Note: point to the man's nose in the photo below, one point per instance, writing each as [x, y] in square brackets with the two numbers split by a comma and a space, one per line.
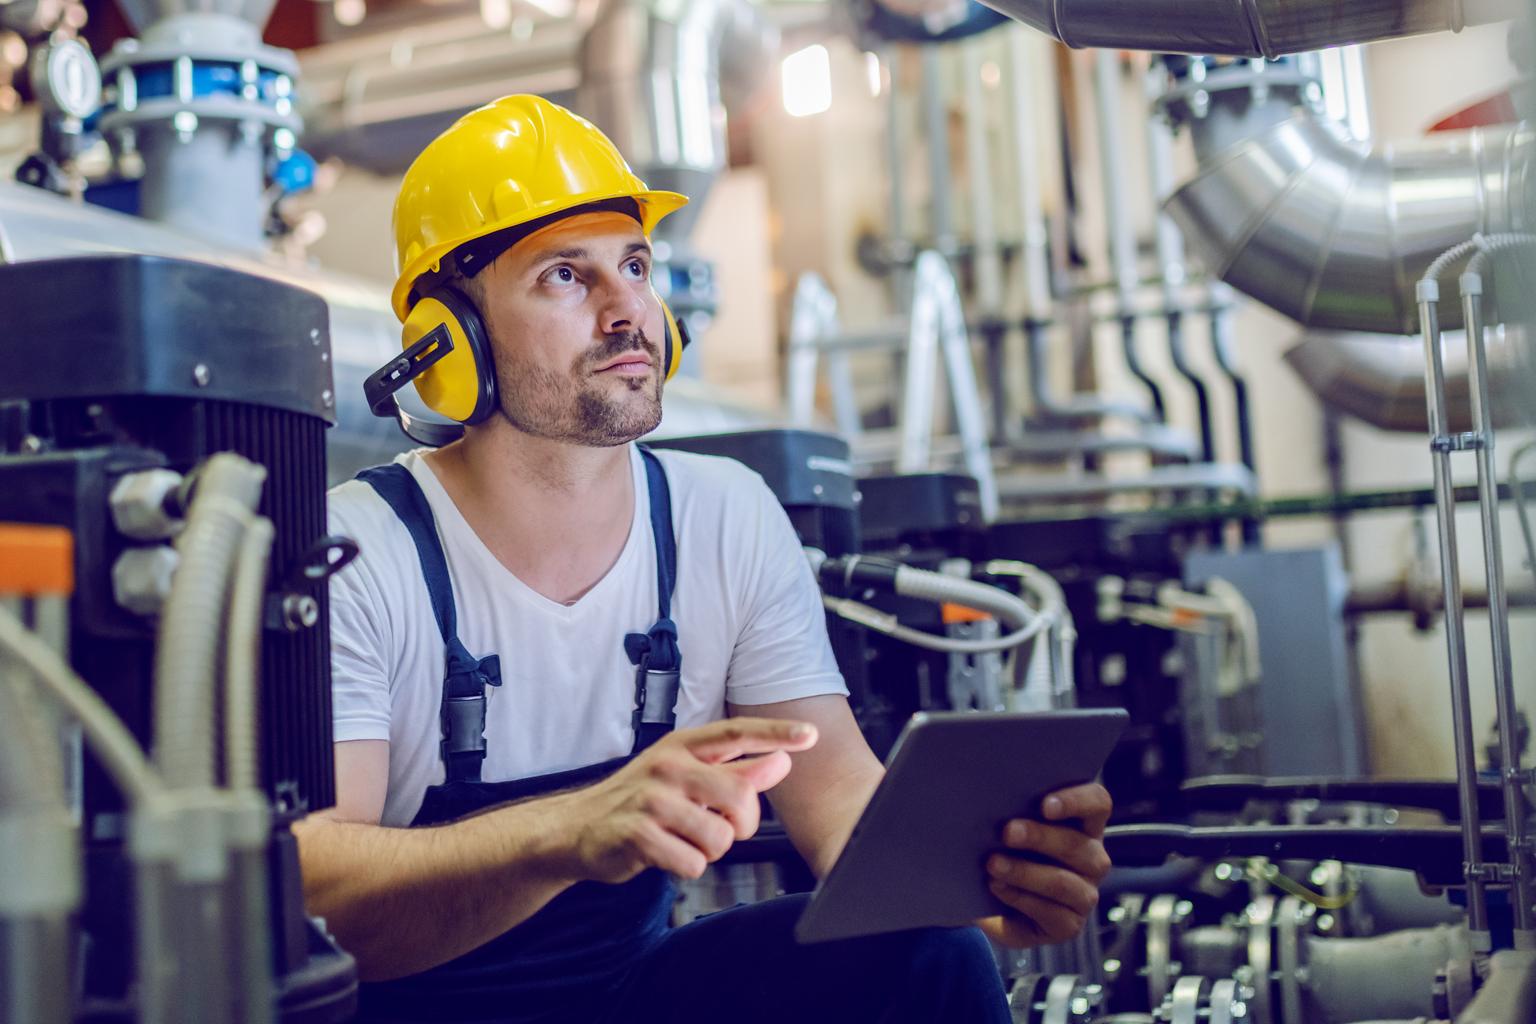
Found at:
[623, 309]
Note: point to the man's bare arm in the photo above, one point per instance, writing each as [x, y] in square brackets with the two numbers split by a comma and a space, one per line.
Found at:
[405, 900]
[821, 799]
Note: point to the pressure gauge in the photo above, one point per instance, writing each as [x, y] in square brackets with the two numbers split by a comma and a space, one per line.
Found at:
[67, 79]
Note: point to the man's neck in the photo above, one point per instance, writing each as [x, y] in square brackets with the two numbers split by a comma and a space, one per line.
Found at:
[555, 514]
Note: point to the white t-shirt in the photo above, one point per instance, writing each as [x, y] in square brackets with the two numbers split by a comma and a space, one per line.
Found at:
[748, 612]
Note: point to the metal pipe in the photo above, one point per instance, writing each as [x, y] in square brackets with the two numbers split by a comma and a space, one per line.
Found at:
[652, 75]
[1498, 611]
[1400, 596]
[1247, 28]
[1170, 261]
[1121, 228]
[1455, 627]
[1117, 202]
[896, 170]
[1037, 269]
[1379, 378]
[1242, 410]
[936, 132]
[986, 252]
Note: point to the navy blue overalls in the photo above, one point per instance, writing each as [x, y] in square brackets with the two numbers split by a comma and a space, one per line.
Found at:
[573, 951]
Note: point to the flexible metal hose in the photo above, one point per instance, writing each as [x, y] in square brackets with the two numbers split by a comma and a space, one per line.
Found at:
[242, 655]
[113, 744]
[186, 654]
[31, 775]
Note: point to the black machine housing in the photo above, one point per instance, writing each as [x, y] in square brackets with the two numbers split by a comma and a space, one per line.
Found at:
[119, 363]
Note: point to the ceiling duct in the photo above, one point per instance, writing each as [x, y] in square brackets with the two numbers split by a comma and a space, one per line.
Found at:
[1246, 28]
[1335, 234]
[655, 77]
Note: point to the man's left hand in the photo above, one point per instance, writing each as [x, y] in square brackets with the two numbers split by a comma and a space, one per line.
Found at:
[1053, 890]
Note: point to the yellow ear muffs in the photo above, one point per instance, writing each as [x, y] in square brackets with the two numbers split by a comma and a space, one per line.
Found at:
[461, 384]
[674, 343]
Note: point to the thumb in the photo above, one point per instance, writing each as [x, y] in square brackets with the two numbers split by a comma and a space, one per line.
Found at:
[761, 773]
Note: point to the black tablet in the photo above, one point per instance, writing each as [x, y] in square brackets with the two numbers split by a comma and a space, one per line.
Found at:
[917, 856]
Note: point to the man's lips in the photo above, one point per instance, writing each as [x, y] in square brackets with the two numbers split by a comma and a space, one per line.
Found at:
[629, 363]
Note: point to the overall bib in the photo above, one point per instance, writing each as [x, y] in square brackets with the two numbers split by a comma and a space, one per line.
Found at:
[561, 963]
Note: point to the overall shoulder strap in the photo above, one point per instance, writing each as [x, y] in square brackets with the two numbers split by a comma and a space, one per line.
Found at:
[658, 660]
[461, 718]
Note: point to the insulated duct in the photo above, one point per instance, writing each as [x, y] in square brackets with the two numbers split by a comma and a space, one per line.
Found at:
[1379, 378]
[656, 76]
[1334, 234]
[1246, 28]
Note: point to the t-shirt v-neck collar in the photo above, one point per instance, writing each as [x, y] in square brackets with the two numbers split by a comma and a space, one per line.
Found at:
[451, 522]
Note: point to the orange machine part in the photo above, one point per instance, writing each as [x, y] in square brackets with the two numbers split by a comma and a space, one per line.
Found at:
[36, 560]
[954, 614]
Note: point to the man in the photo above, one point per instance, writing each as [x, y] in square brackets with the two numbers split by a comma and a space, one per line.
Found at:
[572, 665]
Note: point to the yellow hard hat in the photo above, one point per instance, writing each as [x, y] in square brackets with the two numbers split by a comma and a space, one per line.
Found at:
[505, 165]
[497, 175]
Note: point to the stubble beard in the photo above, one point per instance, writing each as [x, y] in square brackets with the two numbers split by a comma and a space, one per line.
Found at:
[576, 408]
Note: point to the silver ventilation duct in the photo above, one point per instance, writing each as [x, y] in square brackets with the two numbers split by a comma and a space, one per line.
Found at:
[1246, 28]
[1333, 233]
[1380, 378]
[654, 76]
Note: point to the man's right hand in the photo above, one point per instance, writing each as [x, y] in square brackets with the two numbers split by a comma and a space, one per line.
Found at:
[681, 803]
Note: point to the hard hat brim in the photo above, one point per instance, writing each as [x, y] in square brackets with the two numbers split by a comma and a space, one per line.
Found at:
[654, 206]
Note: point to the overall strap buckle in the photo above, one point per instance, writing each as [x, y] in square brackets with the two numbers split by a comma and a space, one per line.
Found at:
[462, 714]
[658, 678]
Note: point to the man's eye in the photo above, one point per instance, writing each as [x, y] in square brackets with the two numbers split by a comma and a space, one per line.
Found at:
[564, 275]
[637, 267]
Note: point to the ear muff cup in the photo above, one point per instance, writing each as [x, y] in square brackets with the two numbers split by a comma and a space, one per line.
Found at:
[672, 345]
[462, 384]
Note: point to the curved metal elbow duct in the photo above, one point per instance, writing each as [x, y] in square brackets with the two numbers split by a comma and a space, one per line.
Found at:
[656, 76]
[1334, 234]
[1380, 378]
[1246, 28]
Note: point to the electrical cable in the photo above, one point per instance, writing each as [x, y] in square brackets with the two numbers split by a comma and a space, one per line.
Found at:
[1010, 611]
[1271, 874]
[113, 744]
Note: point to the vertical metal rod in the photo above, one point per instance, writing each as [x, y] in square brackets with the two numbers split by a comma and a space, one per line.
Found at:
[1455, 627]
[1498, 610]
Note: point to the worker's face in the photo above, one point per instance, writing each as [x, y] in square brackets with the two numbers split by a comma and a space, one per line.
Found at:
[577, 331]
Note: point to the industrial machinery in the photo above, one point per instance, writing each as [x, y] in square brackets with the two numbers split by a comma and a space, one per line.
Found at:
[176, 398]
[180, 473]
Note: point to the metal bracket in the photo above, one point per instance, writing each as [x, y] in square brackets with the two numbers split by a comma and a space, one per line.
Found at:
[1468, 441]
